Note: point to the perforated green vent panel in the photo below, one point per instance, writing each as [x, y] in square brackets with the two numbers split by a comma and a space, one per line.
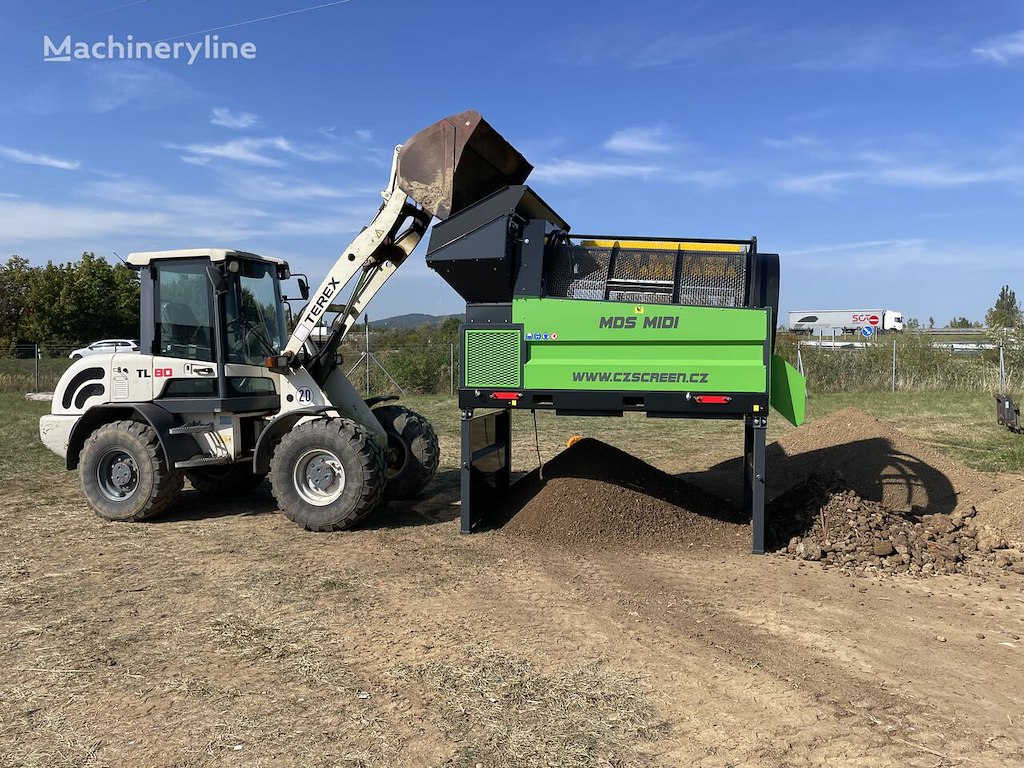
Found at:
[493, 358]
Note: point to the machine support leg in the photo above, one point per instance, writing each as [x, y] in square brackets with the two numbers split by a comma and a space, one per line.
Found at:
[486, 463]
[754, 429]
[466, 463]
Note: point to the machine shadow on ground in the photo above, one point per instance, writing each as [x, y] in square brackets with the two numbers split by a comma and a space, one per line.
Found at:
[193, 505]
[871, 468]
[436, 504]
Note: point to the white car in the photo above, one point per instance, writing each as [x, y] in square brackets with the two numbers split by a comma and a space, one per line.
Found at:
[107, 347]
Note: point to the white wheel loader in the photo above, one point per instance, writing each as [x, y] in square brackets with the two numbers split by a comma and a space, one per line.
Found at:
[221, 394]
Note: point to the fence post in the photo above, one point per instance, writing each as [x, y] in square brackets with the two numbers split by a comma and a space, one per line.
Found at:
[1002, 369]
[894, 365]
[37, 353]
[800, 360]
[366, 319]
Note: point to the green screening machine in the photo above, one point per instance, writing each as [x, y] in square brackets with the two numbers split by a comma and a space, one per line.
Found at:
[600, 325]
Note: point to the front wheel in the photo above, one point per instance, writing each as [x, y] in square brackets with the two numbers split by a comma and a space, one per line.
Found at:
[327, 474]
[227, 480]
[125, 475]
[413, 452]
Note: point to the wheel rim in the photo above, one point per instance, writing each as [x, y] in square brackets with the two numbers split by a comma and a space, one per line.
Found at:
[117, 475]
[319, 477]
[397, 457]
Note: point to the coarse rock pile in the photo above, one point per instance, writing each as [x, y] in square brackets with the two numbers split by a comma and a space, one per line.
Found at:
[833, 524]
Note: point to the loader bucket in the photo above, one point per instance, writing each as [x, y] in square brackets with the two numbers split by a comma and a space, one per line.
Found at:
[457, 161]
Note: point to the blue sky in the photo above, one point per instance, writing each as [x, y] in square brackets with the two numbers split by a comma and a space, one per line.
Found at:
[877, 146]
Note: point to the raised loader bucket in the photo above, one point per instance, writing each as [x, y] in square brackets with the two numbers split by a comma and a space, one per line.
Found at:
[456, 162]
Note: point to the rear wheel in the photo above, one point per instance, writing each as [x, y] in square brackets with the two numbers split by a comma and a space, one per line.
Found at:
[125, 475]
[227, 480]
[412, 454]
[327, 474]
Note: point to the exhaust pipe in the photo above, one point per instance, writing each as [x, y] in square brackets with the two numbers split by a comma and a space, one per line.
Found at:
[456, 162]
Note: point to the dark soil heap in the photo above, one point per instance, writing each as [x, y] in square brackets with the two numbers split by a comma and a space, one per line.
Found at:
[594, 493]
[824, 520]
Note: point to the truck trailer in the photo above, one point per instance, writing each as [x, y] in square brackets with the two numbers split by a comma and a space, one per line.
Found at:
[844, 320]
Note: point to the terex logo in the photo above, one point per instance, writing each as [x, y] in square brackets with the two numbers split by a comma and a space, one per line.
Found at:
[865, 318]
[322, 301]
[666, 321]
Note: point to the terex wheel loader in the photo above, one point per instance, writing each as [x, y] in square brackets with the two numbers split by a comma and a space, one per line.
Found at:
[222, 395]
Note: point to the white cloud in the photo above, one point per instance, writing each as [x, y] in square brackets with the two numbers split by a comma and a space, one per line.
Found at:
[792, 142]
[862, 246]
[251, 151]
[31, 158]
[567, 171]
[641, 141]
[262, 187]
[814, 183]
[884, 172]
[227, 119]
[141, 86]
[1001, 49]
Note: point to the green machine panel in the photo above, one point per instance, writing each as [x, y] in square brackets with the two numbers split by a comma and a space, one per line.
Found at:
[493, 358]
[604, 345]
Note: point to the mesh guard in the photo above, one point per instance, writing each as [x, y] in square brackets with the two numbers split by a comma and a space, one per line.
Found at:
[649, 272]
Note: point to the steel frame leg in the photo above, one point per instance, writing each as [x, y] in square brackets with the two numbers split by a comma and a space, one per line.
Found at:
[754, 429]
[474, 487]
[466, 465]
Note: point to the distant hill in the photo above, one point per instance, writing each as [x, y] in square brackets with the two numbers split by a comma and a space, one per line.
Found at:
[413, 320]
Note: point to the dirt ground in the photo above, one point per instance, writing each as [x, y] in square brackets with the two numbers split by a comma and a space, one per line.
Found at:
[221, 634]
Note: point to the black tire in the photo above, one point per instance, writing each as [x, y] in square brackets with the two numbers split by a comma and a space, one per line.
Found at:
[225, 480]
[327, 474]
[413, 452]
[125, 476]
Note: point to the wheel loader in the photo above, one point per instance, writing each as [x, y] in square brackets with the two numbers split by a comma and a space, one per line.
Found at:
[221, 394]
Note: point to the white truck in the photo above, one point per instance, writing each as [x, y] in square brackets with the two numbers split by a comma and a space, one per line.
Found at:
[844, 320]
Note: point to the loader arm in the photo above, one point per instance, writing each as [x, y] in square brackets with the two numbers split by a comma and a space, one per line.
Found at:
[442, 169]
[374, 255]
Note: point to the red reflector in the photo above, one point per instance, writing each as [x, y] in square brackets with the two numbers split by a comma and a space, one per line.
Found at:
[506, 395]
[713, 399]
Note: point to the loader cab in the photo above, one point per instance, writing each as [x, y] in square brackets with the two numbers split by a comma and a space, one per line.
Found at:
[214, 306]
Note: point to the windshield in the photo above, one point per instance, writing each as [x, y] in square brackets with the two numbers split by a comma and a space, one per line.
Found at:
[255, 314]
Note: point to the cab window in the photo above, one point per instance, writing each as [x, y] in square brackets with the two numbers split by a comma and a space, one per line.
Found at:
[184, 327]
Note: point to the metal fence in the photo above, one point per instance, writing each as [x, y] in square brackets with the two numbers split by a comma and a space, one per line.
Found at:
[908, 362]
[390, 368]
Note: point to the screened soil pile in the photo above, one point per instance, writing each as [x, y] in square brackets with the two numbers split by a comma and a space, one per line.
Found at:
[593, 493]
[825, 520]
[1006, 511]
[877, 463]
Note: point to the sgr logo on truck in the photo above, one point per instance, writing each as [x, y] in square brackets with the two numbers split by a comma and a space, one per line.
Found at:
[665, 321]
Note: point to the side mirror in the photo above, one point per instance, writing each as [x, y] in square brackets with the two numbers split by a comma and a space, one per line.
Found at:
[303, 287]
[217, 281]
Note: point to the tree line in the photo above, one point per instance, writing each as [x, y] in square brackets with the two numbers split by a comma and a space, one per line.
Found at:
[68, 304]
